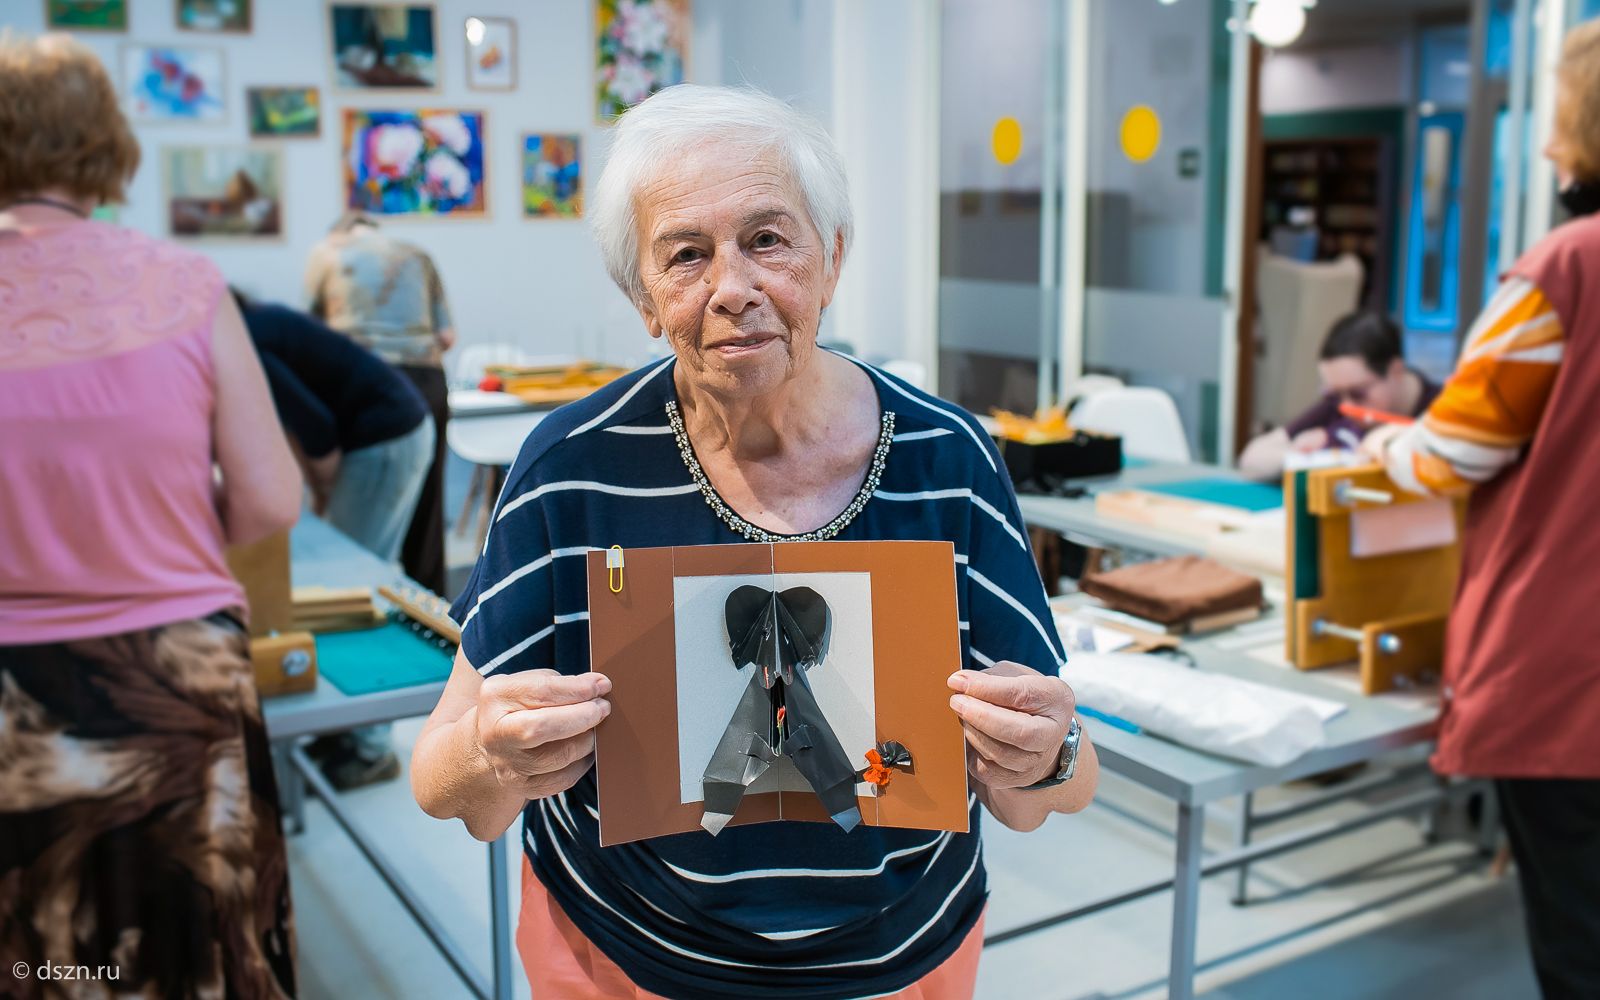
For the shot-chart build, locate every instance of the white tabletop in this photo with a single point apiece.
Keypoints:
(492, 440)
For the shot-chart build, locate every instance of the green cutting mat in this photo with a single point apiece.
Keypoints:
(1254, 497)
(385, 658)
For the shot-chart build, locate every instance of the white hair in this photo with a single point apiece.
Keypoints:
(658, 131)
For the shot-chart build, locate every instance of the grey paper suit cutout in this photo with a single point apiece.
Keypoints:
(782, 636)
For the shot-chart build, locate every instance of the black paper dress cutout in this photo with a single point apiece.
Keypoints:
(782, 636)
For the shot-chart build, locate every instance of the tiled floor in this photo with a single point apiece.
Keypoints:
(1409, 927)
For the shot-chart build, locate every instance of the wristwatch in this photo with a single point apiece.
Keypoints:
(1069, 759)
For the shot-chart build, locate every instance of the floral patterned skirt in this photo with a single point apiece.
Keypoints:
(141, 851)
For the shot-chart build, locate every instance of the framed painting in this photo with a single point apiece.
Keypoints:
(174, 83)
(86, 15)
(641, 46)
(214, 15)
(383, 46)
(223, 192)
(283, 112)
(491, 53)
(424, 162)
(552, 176)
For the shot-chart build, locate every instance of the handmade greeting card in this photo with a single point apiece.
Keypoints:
(790, 681)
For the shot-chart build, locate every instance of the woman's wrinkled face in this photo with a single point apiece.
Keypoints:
(734, 273)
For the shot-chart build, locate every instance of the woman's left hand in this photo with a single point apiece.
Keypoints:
(1015, 720)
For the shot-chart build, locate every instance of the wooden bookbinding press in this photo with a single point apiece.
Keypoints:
(285, 658)
(1372, 573)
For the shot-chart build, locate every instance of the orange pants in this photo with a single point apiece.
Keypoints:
(562, 964)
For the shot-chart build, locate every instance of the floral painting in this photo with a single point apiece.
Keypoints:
(641, 47)
(384, 45)
(277, 112)
(552, 185)
(415, 162)
(224, 191)
(87, 15)
(174, 83)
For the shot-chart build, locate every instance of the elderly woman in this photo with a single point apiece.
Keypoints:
(723, 215)
(1515, 425)
(140, 834)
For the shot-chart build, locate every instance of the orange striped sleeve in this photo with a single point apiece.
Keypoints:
(1492, 404)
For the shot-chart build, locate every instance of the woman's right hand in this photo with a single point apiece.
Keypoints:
(536, 728)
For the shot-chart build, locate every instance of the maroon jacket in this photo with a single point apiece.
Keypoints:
(1522, 653)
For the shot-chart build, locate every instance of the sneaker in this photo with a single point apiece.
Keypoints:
(345, 769)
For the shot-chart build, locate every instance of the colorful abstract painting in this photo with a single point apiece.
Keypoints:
(415, 162)
(174, 83)
(87, 15)
(641, 46)
(224, 191)
(214, 15)
(283, 112)
(384, 46)
(491, 53)
(552, 178)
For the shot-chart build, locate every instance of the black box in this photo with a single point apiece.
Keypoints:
(1042, 467)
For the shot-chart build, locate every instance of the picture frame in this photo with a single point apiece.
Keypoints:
(491, 51)
(416, 164)
(383, 46)
(110, 16)
(223, 193)
(638, 50)
(214, 16)
(552, 175)
(166, 84)
(283, 112)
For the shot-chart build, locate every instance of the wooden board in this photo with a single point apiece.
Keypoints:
(263, 569)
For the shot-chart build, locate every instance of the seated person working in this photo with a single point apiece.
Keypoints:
(364, 438)
(1361, 364)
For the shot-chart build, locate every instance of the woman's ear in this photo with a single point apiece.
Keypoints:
(647, 312)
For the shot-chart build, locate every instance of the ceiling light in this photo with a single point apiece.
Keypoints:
(1277, 23)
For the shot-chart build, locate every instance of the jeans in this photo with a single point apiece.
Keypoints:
(377, 490)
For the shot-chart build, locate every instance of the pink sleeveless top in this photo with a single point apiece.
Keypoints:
(108, 522)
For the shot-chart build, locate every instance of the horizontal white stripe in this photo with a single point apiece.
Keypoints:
(922, 435)
(959, 494)
(576, 616)
(1051, 642)
(625, 429)
(591, 486)
(1550, 354)
(514, 650)
(1498, 343)
(561, 855)
(620, 403)
(961, 559)
(754, 873)
(522, 571)
(982, 659)
(942, 411)
(964, 626)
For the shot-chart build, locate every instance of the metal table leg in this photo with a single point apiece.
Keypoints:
(1186, 900)
(500, 914)
(1241, 879)
(291, 788)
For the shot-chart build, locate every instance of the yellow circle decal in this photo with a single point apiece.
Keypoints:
(1141, 133)
(1007, 140)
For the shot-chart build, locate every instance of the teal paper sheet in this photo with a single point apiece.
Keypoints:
(385, 658)
(1254, 497)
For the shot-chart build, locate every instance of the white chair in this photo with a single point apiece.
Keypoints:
(1146, 419)
(1084, 386)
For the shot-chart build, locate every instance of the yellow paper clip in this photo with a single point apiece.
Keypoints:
(614, 569)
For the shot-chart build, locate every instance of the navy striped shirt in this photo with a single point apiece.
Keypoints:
(777, 909)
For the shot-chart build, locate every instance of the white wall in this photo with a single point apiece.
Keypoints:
(1337, 78)
(540, 283)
